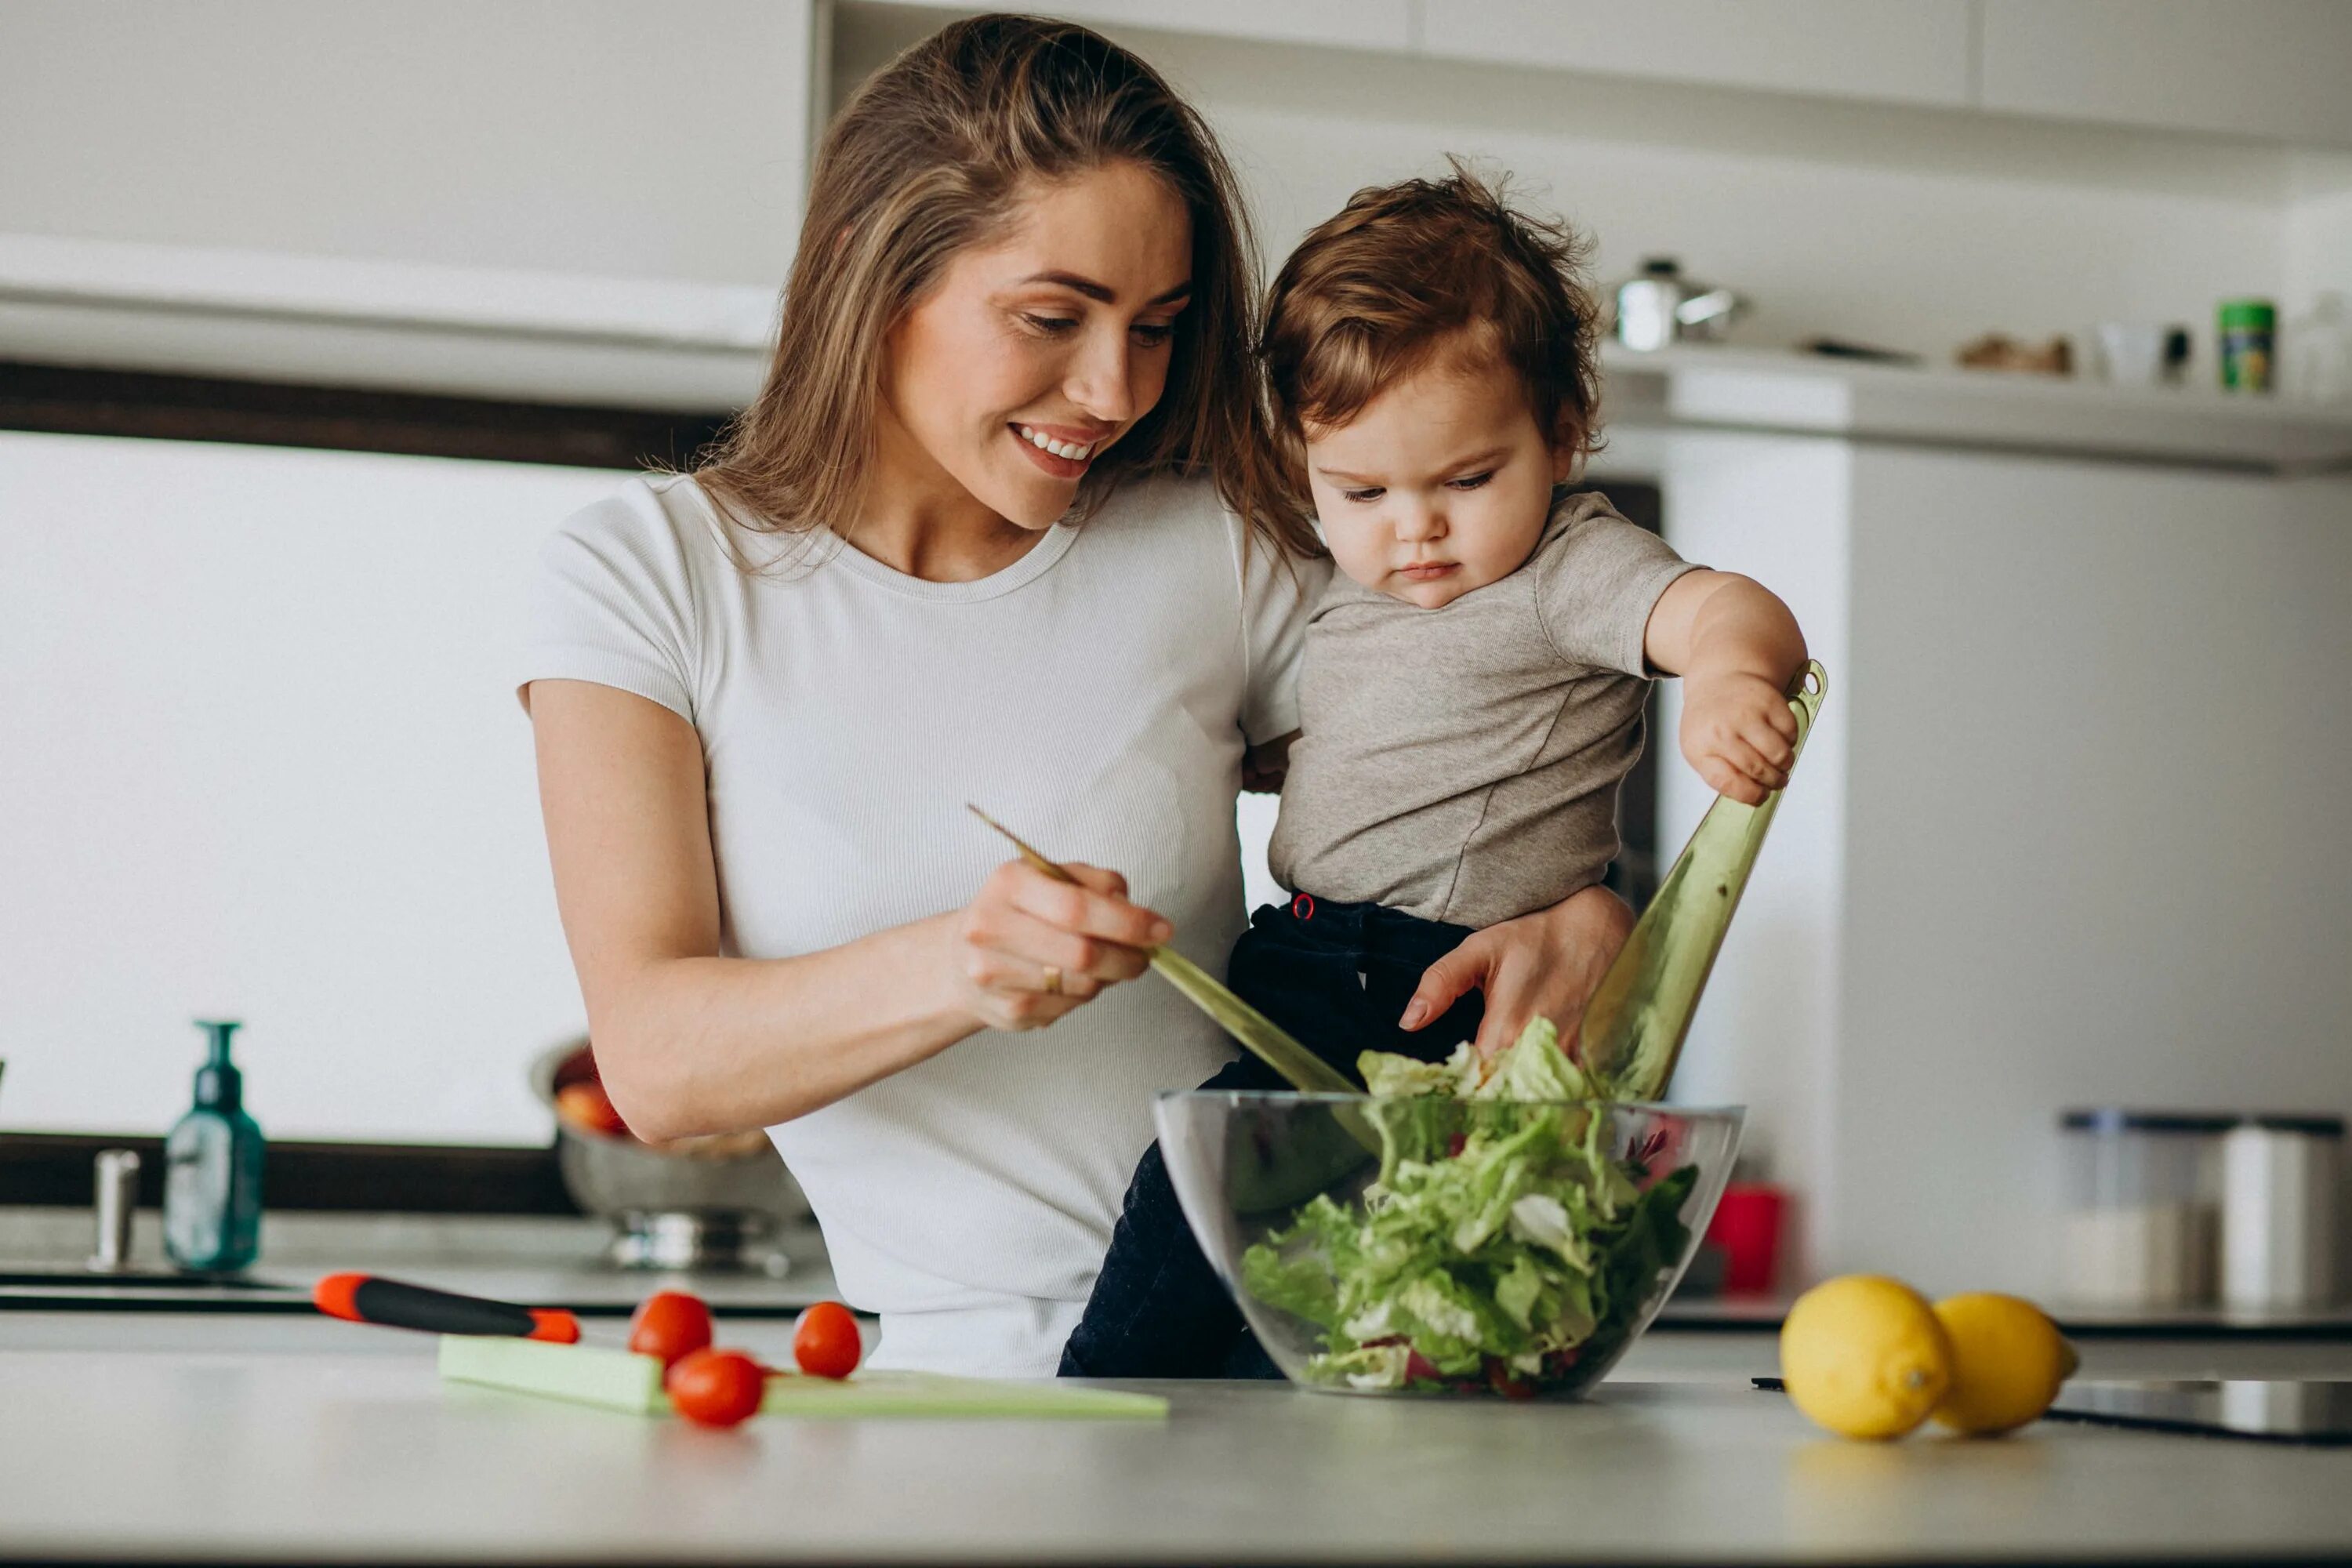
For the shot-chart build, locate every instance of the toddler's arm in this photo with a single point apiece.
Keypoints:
(1737, 649)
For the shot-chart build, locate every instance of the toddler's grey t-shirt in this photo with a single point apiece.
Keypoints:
(1461, 763)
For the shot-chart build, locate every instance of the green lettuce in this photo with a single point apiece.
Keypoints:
(1500, 1245)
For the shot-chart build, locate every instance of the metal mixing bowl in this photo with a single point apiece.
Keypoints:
(699, 1203)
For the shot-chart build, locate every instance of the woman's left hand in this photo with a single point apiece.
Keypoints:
(1546, 964)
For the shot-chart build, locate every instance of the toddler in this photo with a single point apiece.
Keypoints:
(1473, 680)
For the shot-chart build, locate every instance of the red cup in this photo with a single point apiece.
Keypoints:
(1747, 1226)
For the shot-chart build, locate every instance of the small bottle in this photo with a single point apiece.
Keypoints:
(212, 1181)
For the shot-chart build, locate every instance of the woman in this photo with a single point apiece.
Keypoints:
(995, 530)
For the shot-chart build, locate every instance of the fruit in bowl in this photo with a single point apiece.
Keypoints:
(712, 1200)
(586, 1108)
(576, 1090)
(1465, 1227)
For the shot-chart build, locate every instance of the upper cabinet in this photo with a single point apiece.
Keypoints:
(1917, 51)
(2275, 70)
(2269, 68)
(622, 141)
(1349, 23)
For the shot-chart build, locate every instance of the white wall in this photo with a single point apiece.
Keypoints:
(263, 760)
(2318, 246)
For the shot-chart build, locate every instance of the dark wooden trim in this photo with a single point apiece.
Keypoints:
(53, 1169)
(267, 1302)
(75, 401)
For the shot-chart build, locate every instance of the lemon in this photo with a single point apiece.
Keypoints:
(2007, 1360)
(1864, 1357)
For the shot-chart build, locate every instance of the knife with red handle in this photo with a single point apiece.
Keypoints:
(370, 1299)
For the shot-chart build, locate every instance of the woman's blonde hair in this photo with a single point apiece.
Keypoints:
(927, 159)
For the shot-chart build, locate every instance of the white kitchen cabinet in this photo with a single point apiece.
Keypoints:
(2277, 69)
(2093, 845)
(641, 142)
(2067, 833)
(1342, 24)
(1915, 52)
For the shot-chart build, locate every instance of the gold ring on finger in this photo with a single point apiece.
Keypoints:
(1052, 981)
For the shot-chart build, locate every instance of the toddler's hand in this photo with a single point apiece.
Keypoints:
(1740, 733)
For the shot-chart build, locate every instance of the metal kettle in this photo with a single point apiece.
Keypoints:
(1658, 305)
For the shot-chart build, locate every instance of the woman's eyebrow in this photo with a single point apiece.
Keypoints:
(1103, 291)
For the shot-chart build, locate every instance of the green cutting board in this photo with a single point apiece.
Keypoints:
(930, 1394)
(623, 1380)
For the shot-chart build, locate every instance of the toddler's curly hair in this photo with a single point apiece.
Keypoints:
(1406, 270)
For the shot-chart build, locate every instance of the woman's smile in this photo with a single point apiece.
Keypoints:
(1063, 451)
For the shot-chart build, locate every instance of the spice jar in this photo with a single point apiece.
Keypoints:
(2248, 331)
(2143, 1207)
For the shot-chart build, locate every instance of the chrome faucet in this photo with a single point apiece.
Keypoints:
(116, 1202)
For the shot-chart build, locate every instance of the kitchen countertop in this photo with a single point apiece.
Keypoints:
(153, 1438)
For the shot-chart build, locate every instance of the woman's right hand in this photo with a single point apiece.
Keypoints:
(1028, 948)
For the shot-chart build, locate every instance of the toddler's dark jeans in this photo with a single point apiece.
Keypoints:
(1337, 976)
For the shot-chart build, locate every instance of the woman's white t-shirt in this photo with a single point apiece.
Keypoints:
(1096, 696)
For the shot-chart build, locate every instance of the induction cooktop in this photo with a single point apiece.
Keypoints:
(2281, 1410)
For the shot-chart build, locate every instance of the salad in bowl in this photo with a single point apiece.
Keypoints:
(1485, 1227)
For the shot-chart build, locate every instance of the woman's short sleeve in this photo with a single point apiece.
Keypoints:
(612, 601)
(1277, 592)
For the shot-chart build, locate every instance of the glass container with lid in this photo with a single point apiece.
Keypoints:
(2142, 1208)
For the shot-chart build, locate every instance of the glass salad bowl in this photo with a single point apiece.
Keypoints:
(1435, 1245)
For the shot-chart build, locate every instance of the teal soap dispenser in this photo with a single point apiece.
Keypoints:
(212, 1160)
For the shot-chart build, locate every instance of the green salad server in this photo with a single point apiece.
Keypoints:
(1268, 1041)
(1634, 1024)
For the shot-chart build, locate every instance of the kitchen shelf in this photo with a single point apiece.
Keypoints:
(655, 344)
(1728, 388)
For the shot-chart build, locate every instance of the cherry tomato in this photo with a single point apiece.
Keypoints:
(1500, 1379)
(669, 1324)
(716, 1388)
(825, 1341)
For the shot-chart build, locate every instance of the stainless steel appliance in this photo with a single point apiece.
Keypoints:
(699, 1203)
(1658, 305)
